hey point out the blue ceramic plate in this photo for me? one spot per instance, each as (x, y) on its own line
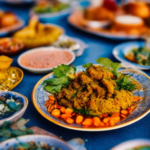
(39, 96)
(17, 114)
(18, 25)
(123, 49)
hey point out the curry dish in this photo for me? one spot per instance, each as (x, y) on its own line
(94, 89)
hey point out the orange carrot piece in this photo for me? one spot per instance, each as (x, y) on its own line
(137, 98)
(69, 120)
(47, 103)
(62, 109)
(96, 121)
(55, 113)
(112, 121)
(50, 108)
(115, 115)
(124, 112)
(131, 109)
(123, 116)
(102, 124)
(105, 115)
(79, 119)
(65, 116)
(51, 97)
(106, 120)
(101, 116)
(87, 122)
(68, 111)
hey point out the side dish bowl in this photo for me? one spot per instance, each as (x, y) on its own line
(17, 114)
(39, 97)
(44, 49)
(53, 141)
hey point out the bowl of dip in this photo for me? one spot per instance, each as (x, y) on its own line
(44, 59)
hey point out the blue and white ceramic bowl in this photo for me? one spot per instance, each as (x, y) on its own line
(39, 96)
(53, 141)
(123, 49)
(18, 114)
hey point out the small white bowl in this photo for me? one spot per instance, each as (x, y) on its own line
(132, 144)
(18, 114)
(44, 70)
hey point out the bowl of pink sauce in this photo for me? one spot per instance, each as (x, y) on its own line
(44, 59)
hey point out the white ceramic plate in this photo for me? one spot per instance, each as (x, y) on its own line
(48, 48)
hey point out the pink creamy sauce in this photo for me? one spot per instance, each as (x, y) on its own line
(45, 59)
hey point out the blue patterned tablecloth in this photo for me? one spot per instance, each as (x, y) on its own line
(98, 47)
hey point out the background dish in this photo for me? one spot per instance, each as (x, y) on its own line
(58, 143)
(39, 96)
(18, 114)
(132, 144)
(19, 24)
(122, 49)
(72, 21)
(43, 49)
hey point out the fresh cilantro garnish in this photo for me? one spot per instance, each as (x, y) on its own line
(125, 84)
(63, 74)
(109, 64)
(82, 111)
(87, 66)
(73, 95)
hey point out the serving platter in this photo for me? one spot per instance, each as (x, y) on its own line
(123, 49)
(39, 96)
(19, 24)
(76, 23)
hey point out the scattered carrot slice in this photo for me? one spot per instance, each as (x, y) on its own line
(79, 119)
(62, 109)
(51, 97)
(69, 120)
(55, 113)
(125, 112)
(106, 120)
(87, 122)
(96, 121)
(68, 111)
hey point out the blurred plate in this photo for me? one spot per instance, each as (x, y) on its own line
(78, 48)
(56, 14)
(19, 24)
(18, 1)
(72, 19)
(122, 49)
(50, 140)
(40, 96)
(129, 145)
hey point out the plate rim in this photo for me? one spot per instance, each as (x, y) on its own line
(81, 128)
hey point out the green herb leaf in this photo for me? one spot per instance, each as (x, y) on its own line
(73, 95)
(109, 64)
(53, 89)
(82, 111)
(87, 66)
(5, 133)
(125, 84)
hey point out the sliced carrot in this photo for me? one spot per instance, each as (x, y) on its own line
(47, 103)
(112, 121)
(96, 121)
(124, 112)
(51, 97)
(123, 116)
(69, 120)
(117, 119)
(131, 109)
(105, 115)
(68, 111)
(107, 124)
(101, 116)
(65, 116)
(79, 119)
(106, 120)
(137, 98)
(115, 115)
(62, 109)
(50, 108)
(102, 124)
(87, 122)
(55, 113)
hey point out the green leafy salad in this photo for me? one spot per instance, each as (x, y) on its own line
(140, 56)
